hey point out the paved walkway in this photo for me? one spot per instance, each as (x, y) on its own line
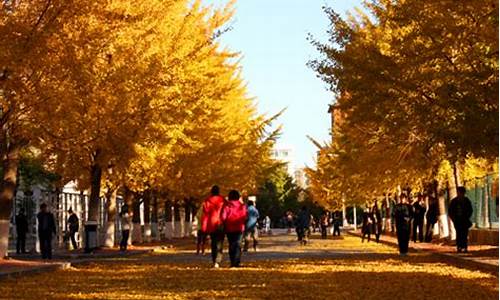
(23, 264)
(485, 256)
(334, 268)
(282, 245)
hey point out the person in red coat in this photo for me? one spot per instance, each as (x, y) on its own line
(211, 223)
(234, 216)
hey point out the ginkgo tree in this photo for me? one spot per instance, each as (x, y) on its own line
(417, 84)
(135, 97)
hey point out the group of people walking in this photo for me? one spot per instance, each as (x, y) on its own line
(46, 230)
(411, 216)
(232, 219)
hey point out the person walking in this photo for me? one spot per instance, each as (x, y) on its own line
(21, 230)
(367, 227)
(267, 225)
(211, 224)
(289, 221)
(201, 237)
(73, 226)
(392, 221)
(324, 222)
(402, 217)
(302, 225)
(251, 230)
(337, 221)
(377, 221)
(125, 220)
(46, 228)
(460, 211)
(234, 216)
(431, 217)
(418, 219)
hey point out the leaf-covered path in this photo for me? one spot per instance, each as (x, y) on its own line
(325, 269)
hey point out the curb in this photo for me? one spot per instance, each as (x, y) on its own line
(55, 266)
(463, 262)
(35, 270)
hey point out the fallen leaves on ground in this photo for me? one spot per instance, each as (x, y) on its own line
(351, 271)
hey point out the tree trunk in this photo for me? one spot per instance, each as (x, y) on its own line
(91, 234)
(177, 221)
(147, 220)
(128, 199)
(110, 225)
(456, 175)
(154, 218)
(10, 164)
(169, 225)
(443, 214)
(136, 221)
(187, 218)
(95, 192)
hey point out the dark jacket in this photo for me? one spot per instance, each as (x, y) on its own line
(433, 212)
(418, 212)
(460, 211)
(73, 223)
(303, 219)
(402, 215)
(46, 223)
(21, 224)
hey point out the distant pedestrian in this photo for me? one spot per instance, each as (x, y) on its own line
(201, 237)
(289, 221)
(234, 215)
(418, 219)
(46, 228)
(324, 223)
(251, 230)
(460, 211)
(367, 228)
(377, 221)
(337, 221)
(431, 217)
(384, 213)
(392, 205)
(211, 224)
(302, 225)
(402, 217)
(267, 225)
(21, 230)
(73, 226)
(314, 224)
(125, 220)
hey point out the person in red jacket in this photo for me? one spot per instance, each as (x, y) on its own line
(234, 216)
(211, 223)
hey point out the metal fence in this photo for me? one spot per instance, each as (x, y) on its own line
(58, 203)
(483, 193)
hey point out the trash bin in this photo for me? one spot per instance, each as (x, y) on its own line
(90, 236)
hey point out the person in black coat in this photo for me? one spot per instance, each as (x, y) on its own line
(418, 219)
(367, 228)
(46, 228)
(73, 226)
(431, 217)
(402, 216)
(302, 225)
(21, 230)
(377, 221)
(460, 211)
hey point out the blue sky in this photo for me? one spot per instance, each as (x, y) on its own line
(272, 38)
